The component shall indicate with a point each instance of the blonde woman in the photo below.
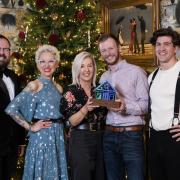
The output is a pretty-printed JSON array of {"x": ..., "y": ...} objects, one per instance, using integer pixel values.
[
  {"x": 36, "y": 109},
  {"x": 86, "y": 121}
]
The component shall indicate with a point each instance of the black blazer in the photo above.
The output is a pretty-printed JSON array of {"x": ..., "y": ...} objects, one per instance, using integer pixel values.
[{"x": 11, "y": 134}]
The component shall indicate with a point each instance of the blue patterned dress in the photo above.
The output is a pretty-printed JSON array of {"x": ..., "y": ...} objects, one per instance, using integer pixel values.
[{"x": 45, "y": 155}]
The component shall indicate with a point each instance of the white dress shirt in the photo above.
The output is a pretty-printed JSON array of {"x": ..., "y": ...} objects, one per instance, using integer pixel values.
[{"x": 10, "y": 86}]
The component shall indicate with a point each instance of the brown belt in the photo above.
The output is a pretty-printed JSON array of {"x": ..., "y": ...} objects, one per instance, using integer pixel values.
[{"x": 122, "y": 129}]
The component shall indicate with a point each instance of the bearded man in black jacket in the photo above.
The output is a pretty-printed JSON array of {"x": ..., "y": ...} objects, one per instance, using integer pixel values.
[{"x": 11, "y": 134}]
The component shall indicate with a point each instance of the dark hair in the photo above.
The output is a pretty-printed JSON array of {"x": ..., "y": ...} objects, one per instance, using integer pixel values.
[
  {"x": 166, "y": 32},
  {"x": 3, "y": 37},
  {"x": 104, "y": 37}
]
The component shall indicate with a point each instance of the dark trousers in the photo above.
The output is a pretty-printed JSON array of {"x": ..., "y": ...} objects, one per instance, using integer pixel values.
[
  {"x": 164, "y": 156},
  {"x": 136, "y": 44},
  {"x": 8, "y": 165},
  {"x": 86, "y": 155}
]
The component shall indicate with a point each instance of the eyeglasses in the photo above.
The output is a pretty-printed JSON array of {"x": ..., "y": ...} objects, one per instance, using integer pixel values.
[
  {"x": 43, "y": 63},
  {"x": 6, "y": 50}
]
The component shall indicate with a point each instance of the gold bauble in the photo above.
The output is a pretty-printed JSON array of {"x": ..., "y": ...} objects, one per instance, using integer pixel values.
[{"x": 54, "y": 16}]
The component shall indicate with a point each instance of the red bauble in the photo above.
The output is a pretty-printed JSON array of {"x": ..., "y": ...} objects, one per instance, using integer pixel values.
[
  {"x": 41, "y": 4},
  {"x": 16, "y": 55},
  {"x": 80, "y": 15},
  {"x": 21, "y": 35},
  {"x": 53, "y": 39}
]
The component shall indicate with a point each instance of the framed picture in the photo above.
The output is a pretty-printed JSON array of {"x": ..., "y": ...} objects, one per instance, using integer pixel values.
[
  {"x": 11, "y": 13},
  {"x": 169, "y": 15},
  {"x": 133, "y": 22}
]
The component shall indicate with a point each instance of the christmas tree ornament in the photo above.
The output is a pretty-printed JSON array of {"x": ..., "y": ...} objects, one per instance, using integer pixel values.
[
  {"x": 89, "y": 38},
  {"x": 41, "y": 4},
  {"x": 21, "y": 35},
  {"x": 53, "y": 39},
  {"x": 54, "y": 16},
  {"x": 16, "y": 55},
  {"x": 68, "y": 34},
  {"x": 80, "y": 15}
]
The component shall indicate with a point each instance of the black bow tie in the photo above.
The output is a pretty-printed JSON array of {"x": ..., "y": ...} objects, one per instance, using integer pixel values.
[{"x": 5, "y": 72}]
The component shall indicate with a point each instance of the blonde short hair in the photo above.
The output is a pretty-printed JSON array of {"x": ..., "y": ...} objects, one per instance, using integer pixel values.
[
  {"x": 47, "y": 48},
  {"x": 76, "y": 67}
]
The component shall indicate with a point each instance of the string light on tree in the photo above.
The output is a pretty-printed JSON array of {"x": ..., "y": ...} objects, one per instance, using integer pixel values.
[
  {"x": 89, "y": 38},
  {"x": 54, "y": 16},
  {"x": 70, "y": 25}
]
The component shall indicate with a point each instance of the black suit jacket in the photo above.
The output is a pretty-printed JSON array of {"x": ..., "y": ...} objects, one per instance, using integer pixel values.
[{"x": 11, "y": 134}]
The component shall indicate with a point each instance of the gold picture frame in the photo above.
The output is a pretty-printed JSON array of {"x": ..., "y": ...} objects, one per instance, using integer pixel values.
[
  {"x": 119, "y": 13},
  {"x": 169, "y": 15}
]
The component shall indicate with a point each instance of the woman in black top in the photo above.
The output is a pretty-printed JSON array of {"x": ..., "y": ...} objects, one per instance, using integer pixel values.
[{"x": 86, "y": 121}]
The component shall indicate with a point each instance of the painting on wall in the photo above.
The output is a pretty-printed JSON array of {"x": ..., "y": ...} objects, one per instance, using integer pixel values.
[
  {"x": 132, "y": 22},
  {"x": 125, "y": 21},
  {"x": 170, "y": 14},
  {"x": 11, "y": 12}
]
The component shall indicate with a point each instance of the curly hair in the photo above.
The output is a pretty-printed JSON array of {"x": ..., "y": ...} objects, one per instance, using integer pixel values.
[
  {"x": 47, "y": 48},
  {"x": 166, "y": 32}
]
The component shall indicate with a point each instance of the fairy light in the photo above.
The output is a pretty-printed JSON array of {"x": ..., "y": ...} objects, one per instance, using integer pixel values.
[
  {"x": 26, "y": 32},
  {"x": 69, "y": 45},
  {"x": 89, "y": 38}
]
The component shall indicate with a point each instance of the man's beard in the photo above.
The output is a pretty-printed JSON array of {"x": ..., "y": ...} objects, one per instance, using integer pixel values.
[
  {"x": 114, "y": 62},
  {"x": 3, "y": 62}
]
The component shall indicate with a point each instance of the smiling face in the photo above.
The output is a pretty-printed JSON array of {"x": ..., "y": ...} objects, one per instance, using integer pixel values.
[
  {"x": 47, "y": 64},
  {"x": 86, "y": 71},
  {"x": 4, "y": 53},
  {"x": 109, "y": 51},
  {"x": 165, "y": 50}
]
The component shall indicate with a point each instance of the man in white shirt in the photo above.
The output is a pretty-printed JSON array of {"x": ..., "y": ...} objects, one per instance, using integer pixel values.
[
  {"x": 11, "y": 134},
  {"x": 164, "y": 131}
]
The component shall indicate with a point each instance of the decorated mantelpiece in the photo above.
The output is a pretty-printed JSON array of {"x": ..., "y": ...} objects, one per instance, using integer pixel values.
[{"x": 105, "y": 95}]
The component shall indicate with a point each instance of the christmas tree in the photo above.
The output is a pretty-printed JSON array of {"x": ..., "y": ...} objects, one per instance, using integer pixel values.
[{"x": 70, "y": 25}]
